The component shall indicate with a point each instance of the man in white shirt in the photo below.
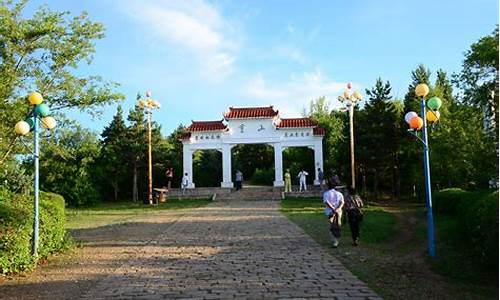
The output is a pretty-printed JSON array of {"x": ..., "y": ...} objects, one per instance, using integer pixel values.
[
  {"x": 334, "y": 201},
  {"x": 185, "y": 182},
  {"x": 302, "y": 180}
]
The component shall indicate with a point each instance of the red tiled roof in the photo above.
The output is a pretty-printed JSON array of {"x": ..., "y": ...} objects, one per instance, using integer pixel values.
[
  {"x": 185, "y": 136},
  {"x": 296, "y": 122},
  {"x": 318, "y": 131},
  {"x": 207, "y": 126},
  {"x": 250, "y": 112}
]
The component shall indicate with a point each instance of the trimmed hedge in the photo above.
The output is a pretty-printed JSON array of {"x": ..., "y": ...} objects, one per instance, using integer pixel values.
[
  {"x": 447, "y": 201},
  {"x": 16, "y": 229},
  {"x": 477, "y": 213},
  {"x": 480, "y": 219}
]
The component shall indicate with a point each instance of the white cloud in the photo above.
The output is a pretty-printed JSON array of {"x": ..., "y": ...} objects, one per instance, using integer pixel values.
[
  {"x": 292, "y": 53},
  {"x": 293, "y": 96},
  {"x": 194, "y": 27}
]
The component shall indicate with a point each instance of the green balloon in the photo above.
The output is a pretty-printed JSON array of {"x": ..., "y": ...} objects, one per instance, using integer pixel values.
[
  {"x": 434, "y": 103},
  {"x": 31, "y": 122},
  {"x": 42, "y": 110}
]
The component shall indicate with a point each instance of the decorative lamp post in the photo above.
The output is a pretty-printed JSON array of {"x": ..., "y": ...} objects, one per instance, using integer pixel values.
[
  {"x": 39, "y": 113},
  {"x": 416, "y": 124},
  {"x": 149, "y": 104},
  {"x": 350, "y": 100}
]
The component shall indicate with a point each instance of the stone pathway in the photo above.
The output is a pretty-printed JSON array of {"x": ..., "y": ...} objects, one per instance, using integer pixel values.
[{"x": 227, "y": 250}]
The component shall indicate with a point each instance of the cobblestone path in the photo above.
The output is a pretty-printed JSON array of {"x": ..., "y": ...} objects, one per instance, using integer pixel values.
[{"x": 227, "y": 250}]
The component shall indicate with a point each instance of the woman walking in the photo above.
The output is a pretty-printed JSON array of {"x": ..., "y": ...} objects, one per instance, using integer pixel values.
[
  {"x": 333, "y": 200},
  {"x": 353, "y": 205}
]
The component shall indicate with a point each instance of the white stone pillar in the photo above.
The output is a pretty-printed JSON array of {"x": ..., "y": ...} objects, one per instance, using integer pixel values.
[
  {"x": 187, "y": 164},
  {"x": 318, "y": 160},
  {"x": 278, "y": 165},
  {"x": 226, "y": 166}
]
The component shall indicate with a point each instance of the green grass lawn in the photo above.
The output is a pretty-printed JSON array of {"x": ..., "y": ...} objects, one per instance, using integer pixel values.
[
  {"x": 118, "y": 212},
  {"x": 392, "y": 257},
  {"x": 377, "y": 226}
]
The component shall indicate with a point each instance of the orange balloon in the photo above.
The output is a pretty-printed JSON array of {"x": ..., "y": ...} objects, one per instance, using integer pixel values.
[{"x": 416, "y": 123}]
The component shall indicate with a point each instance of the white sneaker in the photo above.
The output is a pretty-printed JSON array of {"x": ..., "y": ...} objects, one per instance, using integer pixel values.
[{"x": 335, "y": 243}]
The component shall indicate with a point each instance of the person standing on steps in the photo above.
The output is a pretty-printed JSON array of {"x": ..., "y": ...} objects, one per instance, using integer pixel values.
[
  {"x": 302, "y": 180},
  {"x": 335, "y": 179},
  {"x": 239, "y": 179},
  {"x": 353, "y": 205},
  {"x": 321, "y": 179},
  {"x": 184, "y": 183},
  {"x": 333, "y": 200},
  {"x": 288, "y": 181},
  {"x": 170, "y": 175}
]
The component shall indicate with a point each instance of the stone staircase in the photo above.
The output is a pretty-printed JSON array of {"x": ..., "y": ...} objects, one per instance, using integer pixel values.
[{"x": 252, "y": 193}]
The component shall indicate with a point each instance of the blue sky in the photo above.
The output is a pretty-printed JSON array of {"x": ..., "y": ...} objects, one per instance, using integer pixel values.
[{"x": 200, "y": 57}]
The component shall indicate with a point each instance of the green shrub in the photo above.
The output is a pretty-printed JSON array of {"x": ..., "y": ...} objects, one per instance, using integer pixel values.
[
  {"x": 16, "y": 229},
  {"x": 479, "y": 218},
  {"x": 447, "y": 201},
  {"x": 477, "y": 214}
]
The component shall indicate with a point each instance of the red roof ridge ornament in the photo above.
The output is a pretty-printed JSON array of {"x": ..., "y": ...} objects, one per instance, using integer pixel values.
[
  {"x": 251, "y": 112},
  {"x": 296, "y": 123},
  {"x": 207, "y": 126}
]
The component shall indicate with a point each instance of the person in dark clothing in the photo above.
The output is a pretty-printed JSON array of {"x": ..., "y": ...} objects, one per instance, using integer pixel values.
[
  {"x": 239, "y": 179},
  {"x": 353, "y": 205},
  {"x": 170, "y": 176}
]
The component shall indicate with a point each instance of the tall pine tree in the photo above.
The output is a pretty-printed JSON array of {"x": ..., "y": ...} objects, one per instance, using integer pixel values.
[
  {"x": 114, "y": 145},
  {"x": 136, "y": 136},
  {"x": 379, "y": 125}
]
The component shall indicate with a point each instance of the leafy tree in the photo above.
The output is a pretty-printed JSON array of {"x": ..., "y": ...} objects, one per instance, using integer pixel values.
[
  {"x": 479, "y": 76},
  {"x": 462, "y": 154},
  {"x": 172, "y": 154},
  {"x": 333, "y": 123},
  {"x": 41, "y": 53},
  {"x": 67, "y": 165}
]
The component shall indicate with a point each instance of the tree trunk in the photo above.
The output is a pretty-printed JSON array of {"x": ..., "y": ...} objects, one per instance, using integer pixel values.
[{"x": 135, "y": 192}]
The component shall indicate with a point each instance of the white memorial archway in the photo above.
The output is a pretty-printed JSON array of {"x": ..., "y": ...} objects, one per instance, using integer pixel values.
[{"x": 252, "y": 125}]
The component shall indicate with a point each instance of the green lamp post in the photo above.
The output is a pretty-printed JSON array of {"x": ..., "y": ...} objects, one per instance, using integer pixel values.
[{"x": 39, "y": 114}]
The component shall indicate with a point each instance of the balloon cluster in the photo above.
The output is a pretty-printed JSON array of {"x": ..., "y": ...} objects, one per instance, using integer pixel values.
[
  {"x": 149, "y": 103},
  {"x": 350, "y": 97},
  {"x": 41, "y": 110},
  {"x": 432, "y": 115}
]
